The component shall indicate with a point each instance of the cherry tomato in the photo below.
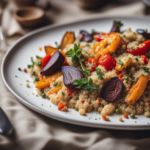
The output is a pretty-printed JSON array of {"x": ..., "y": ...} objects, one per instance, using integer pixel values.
[
  {"x": 107, "y": 61},
  {"x": 91, "y": 61},
  {"x": 121, "y": 77}
]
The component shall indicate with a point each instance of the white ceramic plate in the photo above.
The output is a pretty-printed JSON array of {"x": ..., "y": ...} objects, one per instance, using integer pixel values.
[{"x": 19, "y": 56}]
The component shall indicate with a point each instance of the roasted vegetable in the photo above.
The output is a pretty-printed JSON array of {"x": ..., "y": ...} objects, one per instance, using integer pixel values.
[
  {"x": 112, "y": 90},
  {"x": 50, "y": 50},
  {"x": 107, "y": 61},
  {"x": 121, "y": 65},
  {"x": 144, "y": 33},
  {"x": 137, "y": 90},
  {"x": 45, "y": 60},
  {"x": 142, "y": 49},
  {"x": 54, "y": 64},
  {"x": 94, "y": 63},
  {"x": 68, "y": 38},
  {"x": 55, "y": 90},
  {"x": 69, "y": 75},
  {"x": 86, "y": 37},
  {"x": 116, "y": 26},
  {"x": 45, "y": 82}
]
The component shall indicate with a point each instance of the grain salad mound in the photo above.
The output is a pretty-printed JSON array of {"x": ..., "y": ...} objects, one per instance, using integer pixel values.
[{"x": 104, "y": 72}]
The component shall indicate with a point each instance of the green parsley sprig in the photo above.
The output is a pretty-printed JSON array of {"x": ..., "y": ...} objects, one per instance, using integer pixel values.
[
  {"x": 98, "y": 73},
  {"x": 85, "y": 84},
  {"x": 120, "y": 63},
  {"x": 76, "y": 57},
  {"x": 118, "y": 23},
  {"x": 145, "y": 69}
]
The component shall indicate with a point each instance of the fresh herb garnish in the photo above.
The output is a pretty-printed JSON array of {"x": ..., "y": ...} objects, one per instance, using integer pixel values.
[
  {"x": 98, "y": 73},
  {"x": 59, "y": 85},
  {"x": 36, "y": 79},
  {"x": 134, "y": 80},
  {"x": 57, "y": 45},
  {"x": 76, "y": 109},
  {"x": 86, "y": 52},
  {"x": 124, "y": 35},
  {"x": 32, "y": 61},
  {"x": 145, "y": 69},
  {"x": 40, "y": 89},
  {"x": 85, "y": 84},
  {"x": 63, "y": 93},
  {"x": 29, "y": 66},
  {"x": 76, "y": 57},
  {"x": 38, "y": 63},
  {"x": 87, "y": 45},
  {"x": 120, "y": 62},
  {"x": 33, "y": 73},
  {"x": 118, "y": 23},
  {"x": 136, "y": 59},
  {"x": 38, "y": 57},
  {"x": 43, "y": 95},
  {"x": 16, "y": 76},
  {"x": 19, "y": 69},
  {"x": 55, "y": 83}
]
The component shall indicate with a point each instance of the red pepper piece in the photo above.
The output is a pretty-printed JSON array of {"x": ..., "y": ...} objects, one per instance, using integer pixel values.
[
  {"x": 141, "y": 50},
  {"x": 45, "y": 60},
  {"x": 82, "y": 101},
  {"x": 25, "y": 70},
  {"x": 107, "y": 61},
  {"x": 99, "y": 99},
  {"x": 99, "y": 37},
  {"x": 70, "y": 91},
  {"x": 121, "y": 77},
  {"x": 91, "y": 61},
  {"x": 144, "y": 59},
  {"x": 61, "y": 106}
]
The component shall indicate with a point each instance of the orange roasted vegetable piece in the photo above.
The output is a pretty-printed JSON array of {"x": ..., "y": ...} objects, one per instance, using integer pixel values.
[
  {"x": 126, "y": 63},
  {"x": 45, "y": 82},
  {"x": 55, "y": 90},
  {"x": 61, "y": 106},
  {"x": 50, "y": 50},
  {"x": 68, "y": 38},
  {"x": 137, "y": 90}
]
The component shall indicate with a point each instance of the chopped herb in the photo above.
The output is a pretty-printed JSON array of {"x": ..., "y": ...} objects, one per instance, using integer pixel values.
[
  {"x": 55, "y": 83},
  {"x": 148, "y": 123},
  {"x": 50, "y": 106},
  {"x": 42, "y": 104},
  {"x": 120, "y": 62},
  {"x": 135, "y": 121},
  {"x": 133, "y": 32},
  {"x": 29, "y": 66},
  {"x": 59, "y": 85},
  {"x": 43, "y": 95},
  {"x": 134, "y": 80},
  {"x": 38, "y": 63},
  {"x": 126, "y": 81},
  {"x": 47, "y": 97},
  {"x": 38, "y": 57},
  {"x": 19, "y": 69},
  {"x": 33, "y": 72},
  {"x": 27, "y": 80},
  {"x": 85, "y": 84},
  {"x": 99, "y": 118},
  {"x": 76, "y": 109},
  {"x": 63, "y": 93},
  {"x": 36, "y": 95},
  {"x": 86, "y": 52},
  {"x": 57, "y": 45},
  {"x": 93, "y": 30},
  {"x": 87, "y": 45},
  {"x": 118, "y": 23},
  {"x": 136, "y": 59},
  {"x": 32, "y": 61},
  {"x": 124, "y": 35},
  {"x": 98, "y": 73},
  {"x": 95, "y": 119},
  {"x": 76, "y": 57},
  {"x": 126, "y": 78},
  {"x": 20, "y": 84},
  {"x": 36, "y": 79},
  {"x": 16, "y": 76},
  {"x": 145, "y": 69},
  {"x": 41, "y": 89}
]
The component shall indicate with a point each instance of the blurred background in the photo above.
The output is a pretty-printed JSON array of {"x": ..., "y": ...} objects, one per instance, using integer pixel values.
[{"x": 16, "y": 22}]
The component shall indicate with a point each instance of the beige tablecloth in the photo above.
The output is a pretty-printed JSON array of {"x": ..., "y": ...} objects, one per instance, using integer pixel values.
[{"x": 33, "y": 131}]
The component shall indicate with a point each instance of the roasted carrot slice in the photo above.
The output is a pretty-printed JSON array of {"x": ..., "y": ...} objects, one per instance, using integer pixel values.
[
  {"x": 68, "y": 38},
  {"x": 45, "y": 82},
  {"x": 50, "y": 50},
  {"x": 137, "y": 90},
  {"x": 55, "y": 90}
]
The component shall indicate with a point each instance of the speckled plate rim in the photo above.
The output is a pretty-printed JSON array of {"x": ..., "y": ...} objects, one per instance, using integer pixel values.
[{"x": 52, "y": 115}]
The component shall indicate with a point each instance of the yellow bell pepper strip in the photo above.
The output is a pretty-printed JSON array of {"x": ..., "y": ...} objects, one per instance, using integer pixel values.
[
  {"x": 45, "y": 82},
  {"x": 123, "y": 64},
  {"x": 137, "y": 90},
  {"x": 55, "y": 90}
]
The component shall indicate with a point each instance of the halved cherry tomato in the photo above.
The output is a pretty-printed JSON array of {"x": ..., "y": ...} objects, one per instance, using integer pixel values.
[
  {"x": 125, "y": 115},
  {"x": 121, "y": 77},
  {"x": 45, "y": 60},
  {"x": 107, "y": 61},
  {"x": 61, "y": 106},
  {"x": 141, "y": 50},
  {"x": 70, "y": 91},
  {"x": 82, "y": 101},
  {"x": 144, "y": 59},
  {"x": 99, "y": 37},
  {"x": 91, "y": 61}
]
